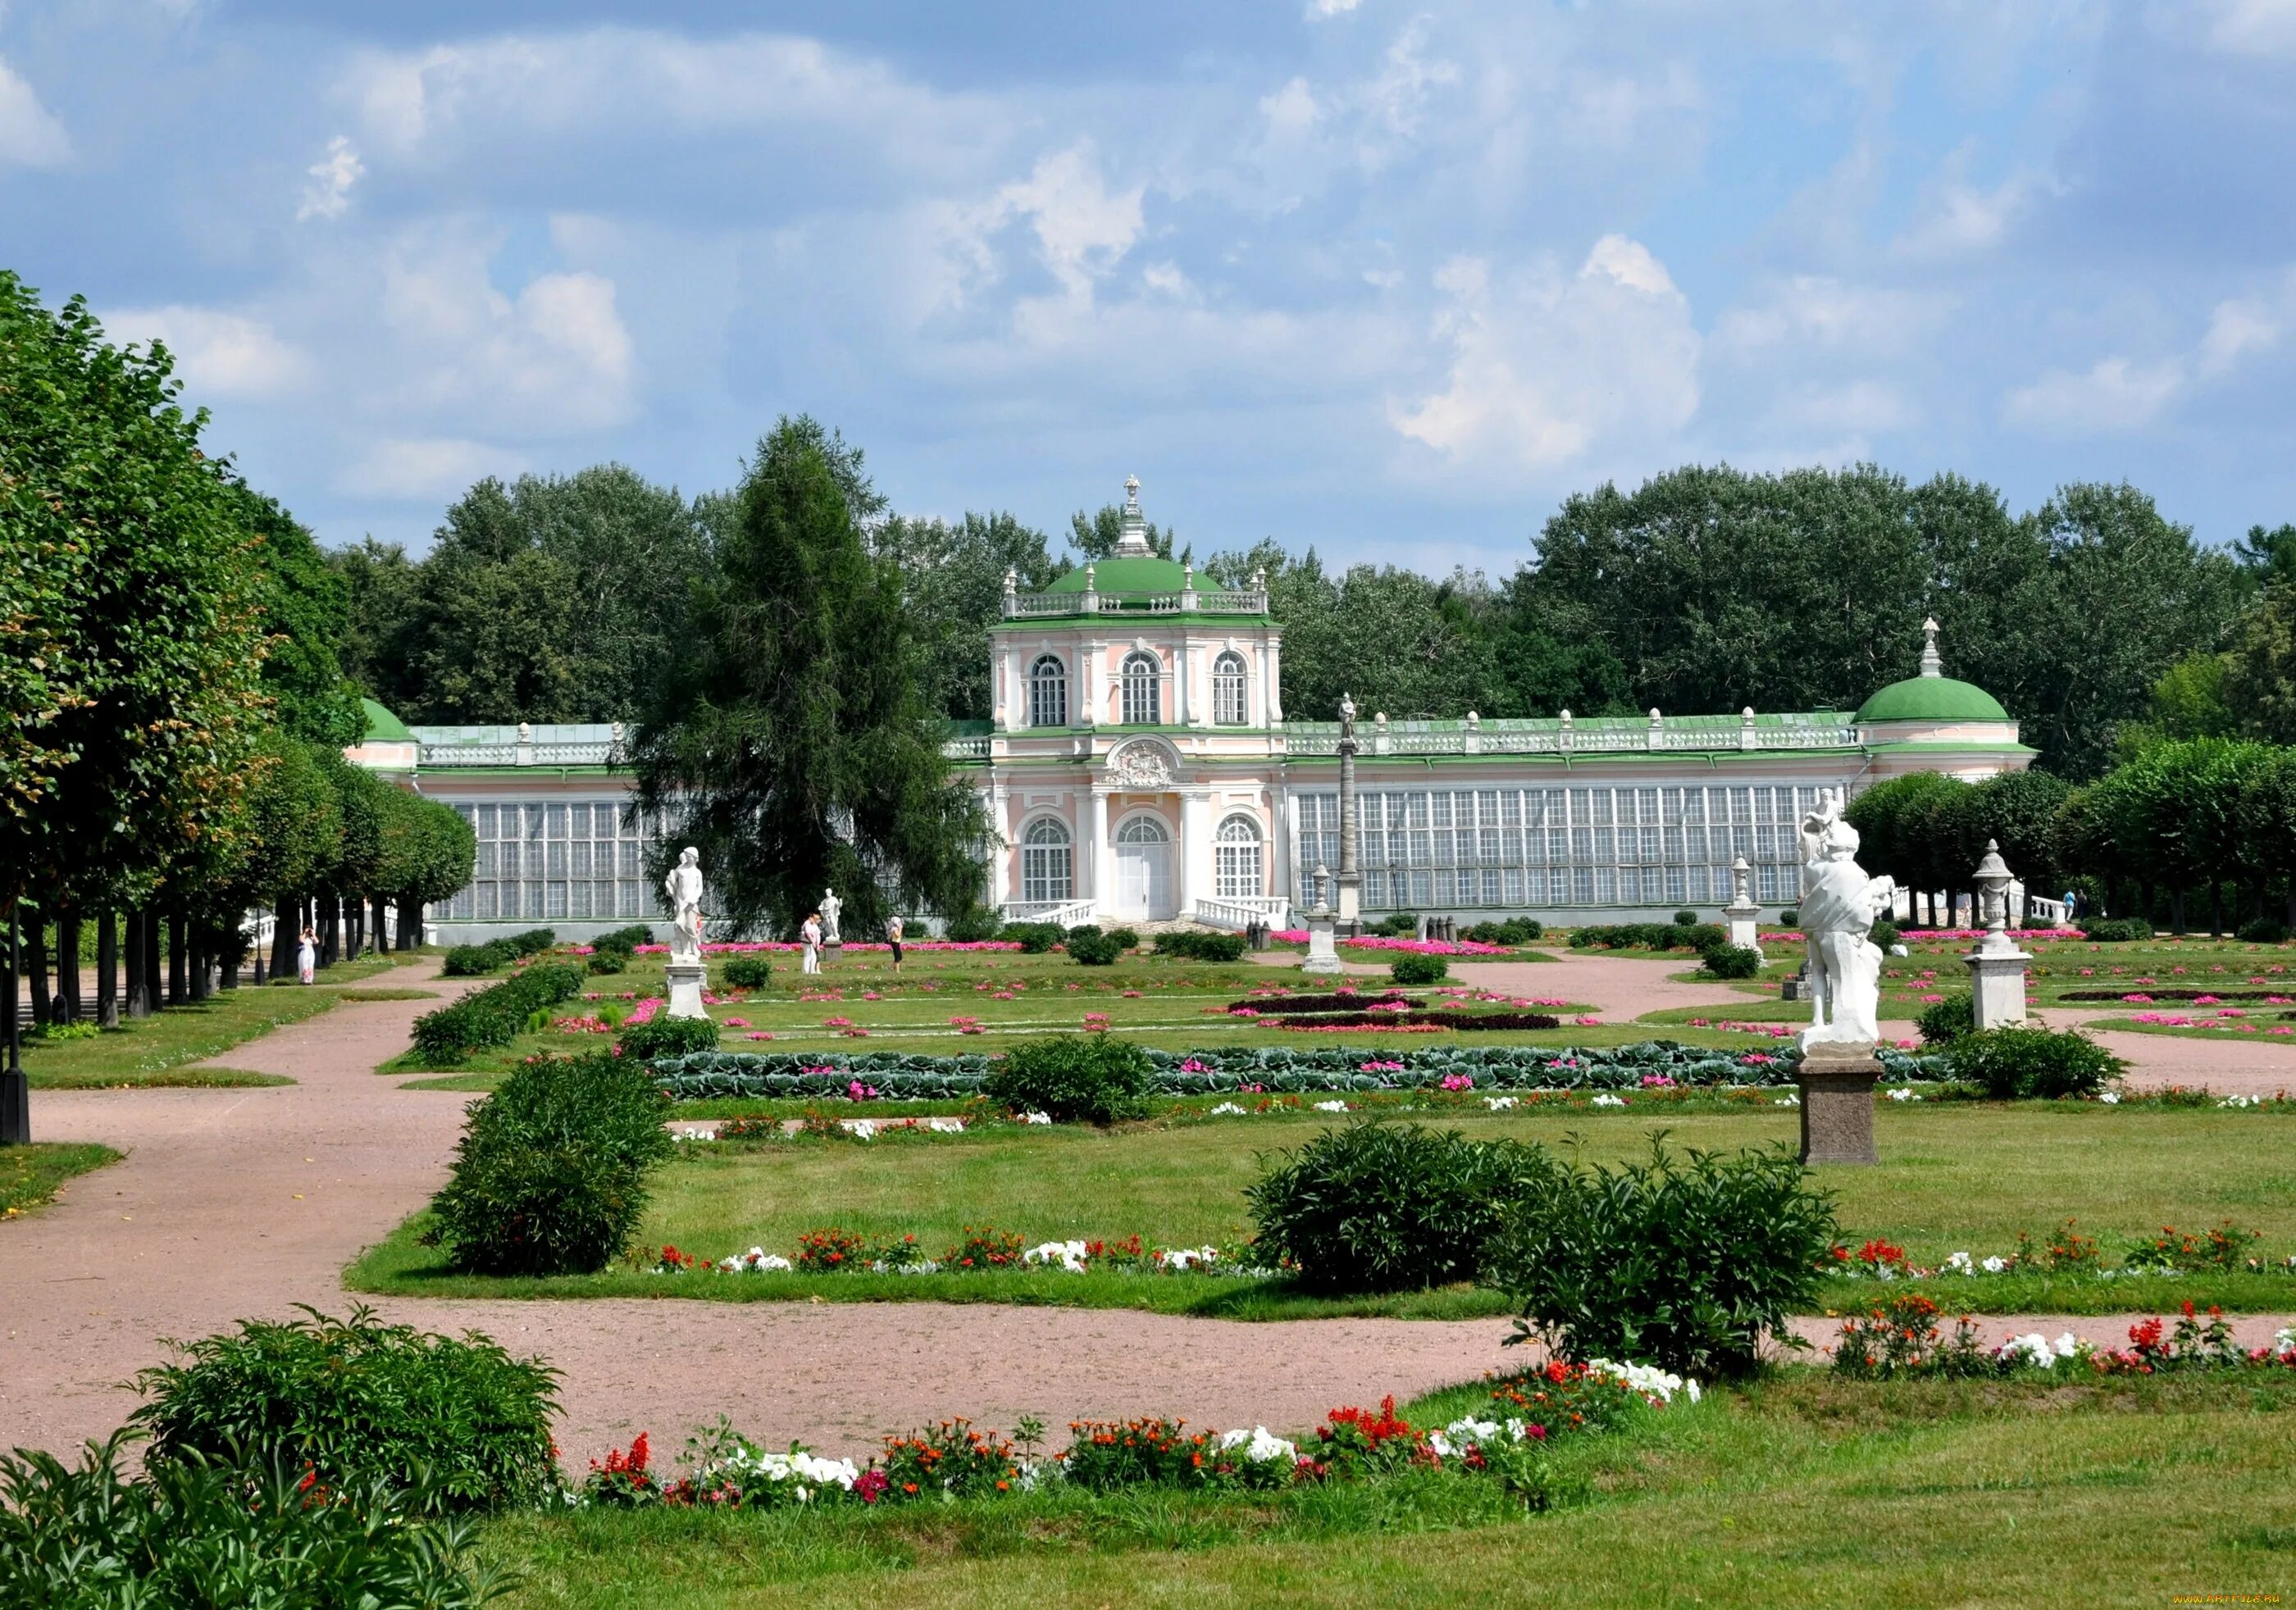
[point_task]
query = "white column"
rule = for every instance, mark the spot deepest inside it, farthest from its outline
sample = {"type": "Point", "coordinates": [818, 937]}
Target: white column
{"type": "Point", "coordinates": [1177, 711]}
{"type": "Point", "coordinates": [1097, 853]}
{"type": "Point", "coordinates": [1003, 707]}
{"type": "Point", "coordinates": [1199, 683]}
{"type": "Point", "coordinates": [1001, 861]}
{"type": "Point", "coordinates": [1271, 688]}
{"type": "Point", "coordinates": [1194, 844]}
{"type": "Point", "coordinates": [1089, 657]}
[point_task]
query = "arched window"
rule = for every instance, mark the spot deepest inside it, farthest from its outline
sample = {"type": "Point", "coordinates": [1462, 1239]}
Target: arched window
{"type": "Point", "coordinates": [1142, 830]}
{"type": "Point", "coordinates": [1048, 692]}
{"type": "Point", "coordinates": [1228, 702]}
{"type": "Point", "coordinates": [1236, 860]}
{"type": "Point", "coordinates": [1143, 687]}
{"type": "Point", "coordinates": [1047, 868]}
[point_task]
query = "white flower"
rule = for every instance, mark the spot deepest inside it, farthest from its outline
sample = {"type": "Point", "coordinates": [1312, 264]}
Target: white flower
{"type": "Point", "coordinates": [1331, 1107]}
{"type": "Point", "coordinates": [860, 1129]}
{"type": "Point", "coordinates": [1036, 1117]}
{"type": "Point", "coordinates": [2285, 1339]}
{"type": "Point", "coordinates": [2242, 1101]}
{"type": "Point", "coordinates": [1260, 1445]}
{"type": "Point", "coordinates": [1180, 1259]}
{"type": "Point", "coordinates": [757, 1261]}
{"type": "Point", "coordinates": [2032, 1348]}
{"type": "Point", "coordinates": [2111, 1097]}
{"type": "Point", "coordinates": [1498, 1104]}
{"type": "Point", "coordinates": [1226, 1109]}
{"type": "Point", "coordinates": [2069, 1346]}
{"type": "Point", "coordinates": [946, 1126]}
{"type": "Point", "coordinates": [1902, 1094]}
{"type": "Point", "coordinates": [1959, 1263]}
{"type": "Point", "coordinates": [1993, 1266]}
{"type": "Point", "coordinates": [1658, 1385]}
{"type": "Point", "coordinates": [1606, 1100]}
{"type": "Point", "coordinates": [1786, 1101]}
{"type": "Point", "coordinates": [1069, 1255]}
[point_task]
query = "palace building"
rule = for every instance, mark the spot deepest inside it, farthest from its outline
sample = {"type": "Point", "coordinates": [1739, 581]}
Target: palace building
{"type": "Point", "coordinates": [1139, 766]}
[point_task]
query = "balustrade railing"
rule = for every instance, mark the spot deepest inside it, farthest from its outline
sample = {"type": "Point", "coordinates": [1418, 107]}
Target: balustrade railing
{"type": "Point", "coordinates": [1241, 912]}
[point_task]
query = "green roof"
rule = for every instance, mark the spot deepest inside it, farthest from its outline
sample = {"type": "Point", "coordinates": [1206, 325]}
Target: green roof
{"type": "Point", "coordinates": [382, 726]}
{"type": "Point", "coordinates": [1931, 698]}
{"type": "Point", "coordinates": [1126, 575]}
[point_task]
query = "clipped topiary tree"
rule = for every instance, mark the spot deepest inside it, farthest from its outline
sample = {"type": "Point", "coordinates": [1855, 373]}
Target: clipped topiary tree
{"type": "Point", "coordinates": [1412, 967]}
{"type": "Point", "coordinates": [1074, 1078]}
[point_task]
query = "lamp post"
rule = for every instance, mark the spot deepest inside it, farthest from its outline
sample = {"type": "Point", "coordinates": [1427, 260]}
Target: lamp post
{"type": "Point", "coordinates": [15, 1090]}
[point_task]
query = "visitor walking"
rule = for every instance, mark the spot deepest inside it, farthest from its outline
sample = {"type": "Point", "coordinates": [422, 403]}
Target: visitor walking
{"type": "Point", "coordinates": [810, 935]}
{"type": "Point", "coordinates": [306, 957]}
{"type": "Point", "coordinates": [893, 936]}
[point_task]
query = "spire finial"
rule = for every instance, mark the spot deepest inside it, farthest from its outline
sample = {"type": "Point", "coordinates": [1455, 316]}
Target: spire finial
{"type": "Point", "coordinates": [1132, 491]}
{"type": "Point", "coordinates": [1132, 534]}
{"type": "Point", "coordinates": [1931, 665]}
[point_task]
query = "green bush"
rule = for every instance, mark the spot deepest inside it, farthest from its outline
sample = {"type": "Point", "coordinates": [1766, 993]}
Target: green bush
{"type": "Point", "coordinates": [1943, 1022]}
{"type": "Point", "coordinates": [1034, 938]}
{"type": "Point", "coordinates": [1702, 936]}
{"type": "Point", "coordinates": [2263, 930]}
{"type": "Point", "coordinates": [1513, 931]}
{"type": "Point", "coordinates": [1389, 1207]}
{"type": "Point", "coordinates": [1414, 968]}
{"type": "Point", "coordinates": [627, 938]}
{"type": "Point", "coordinates": [1791, 918]}
{"type": "Point", "coordinates": [493, 1016]}
{"type": "Point", "coordinates": [604, 959]}
{"type": "Point", "coordinates": [975, 925]}
{"type": "Point", "coordinates": [1395, 925]}
{"type": "Point", "coordinates": [748, 970]}
{"type": "Point", "coordinates": [476, 960]}
{"type": "Point", "coordinates": [1089, 947]}
{"type": "Point", "coordinates": [2032, 1064]}
{"type": "Point", "coordinates": [1201, 945]}
{"type": "Point", "coordinates": [1646, 935]}
{"type": "Point", "coordinates": [1883, 933]}
{"type": "Point", "coordinates": [660, 1036]}
{"type": "Point", "coordinates": [550, 1175]}
{"type": "Point", "coordinates": [1126, 939]}
{"type": "Point", "coordinates": [355, 1399]}
{"type": "Point", "coordinates": [1731, 962]}
{"type": "Point", "coordinates": [1075, 1078]}
{"type": "Point", "coordinates": [1683, 920]}
{"type": "Point", "coordinates": [1686, 1264]}
{"type": "Point", "coordinates": [193, 1531]}
{"type": "Point", "coordinates": [2117, 930]}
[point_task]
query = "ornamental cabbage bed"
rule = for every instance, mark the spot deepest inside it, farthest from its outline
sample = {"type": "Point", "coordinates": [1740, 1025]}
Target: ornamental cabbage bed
{"type": "Point", "coordinates": [1282, 1070]}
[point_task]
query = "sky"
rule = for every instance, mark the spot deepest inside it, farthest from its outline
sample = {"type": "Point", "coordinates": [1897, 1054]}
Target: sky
{"type": "Point", "coordinates": [1384, 278]}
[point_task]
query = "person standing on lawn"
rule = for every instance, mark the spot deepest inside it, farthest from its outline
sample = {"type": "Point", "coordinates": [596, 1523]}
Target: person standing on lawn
{"type": "Point", "coordinates": [306, 957]}
{"type": "Point", "coordinates": [810, 935]}
{"type": "Point", "coordinates": [893, 937]}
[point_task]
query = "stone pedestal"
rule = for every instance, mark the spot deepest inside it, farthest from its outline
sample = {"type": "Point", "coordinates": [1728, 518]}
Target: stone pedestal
{"type": "Point", "coordinates": [1837, 1103]}
{"type": "Point", "coordinates": [1350, 894]}
{"type": "Point", "coordinates": [1745, 927]}
{"type": "Point", "coordinates": [1996, 987]}
{"type": "Point", "coordinates": [1322, 954]}
{"type": "Point", "coordinates": [686, 980]}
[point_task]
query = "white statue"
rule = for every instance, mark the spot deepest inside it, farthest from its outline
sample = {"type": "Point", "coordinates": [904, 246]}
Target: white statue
{"type": "Point", "coordinates": [1838, 904]}
{"type": "Point", "coordinates": [830, 906]}
{"type": "Point", "coordinates": [684, 887]}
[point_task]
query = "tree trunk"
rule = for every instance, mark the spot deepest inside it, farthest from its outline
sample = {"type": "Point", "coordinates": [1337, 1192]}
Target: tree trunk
{"type": "Point", "coordinates": [379, 913]}
{"type": "Point", "coordinates": [179, 947]}
{"type": "Point", "coordinates": [36, 954]}
{"type": "Point", "coordinates": [106, 968]}
{"type": "Point", "coordinates": [196, 956]}
{"type": "Point", "coordinates": [155, 929]}
{"type": "Point", "coordinates": [138, 1003]}
{"type": "Point", "coordinates": [355, 923]}
{"type": "Point", "coordinates": [2176, 912]}
{"type": "Point", "coordinates": [410, 920]}
{"type": "Point", "coordinates": [67, 996]}
{"type": "Point", "coordinates": [331, 937]}
{"type": "Point", "coordinates": [2216, 910]}
{"type": "Point", "coordinates": [286, 926]}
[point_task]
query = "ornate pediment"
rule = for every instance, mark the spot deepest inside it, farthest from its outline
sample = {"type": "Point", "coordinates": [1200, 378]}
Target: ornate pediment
{"type": "Point", "coordinates": [1142, 765]}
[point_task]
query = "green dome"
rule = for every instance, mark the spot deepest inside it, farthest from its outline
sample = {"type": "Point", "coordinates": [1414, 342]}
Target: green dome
{"type": "Point", "coordinates": [1938, 698]}
{"type": "Point", "coordinates": [1126, 575]}
{"type": "Point", "coordinates": [382, 726]}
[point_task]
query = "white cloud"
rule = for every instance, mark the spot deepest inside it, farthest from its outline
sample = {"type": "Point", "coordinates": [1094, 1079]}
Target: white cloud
{"type": "Point", "coordinates": [329, 193]}
{"type": "Point", "coordinates": [219, 354]}
{"type": "Point", "coordinates": [1546, 368]}
{"type": "Point", "coordinates": [1953, 218]}
{"type": "Point", "coordinates": [1324, 11]}
{"type": "Point", "coordinates": [426, 469]}
{"type": "Point", "coordinates": [1866, 407]}
{"type": "Point", "coordinates": [1082, 230]}
{"type": "Point", "coordinates": [2115, 394]}
{"type": "Point", "coordinates": [28, 134]}
{"type": "Point", "coordinates": [2253, 27]}
{"type": "Point", "coordinates": [2235, 329]}
{"type": "Point", "coordinates": [1817, 310]}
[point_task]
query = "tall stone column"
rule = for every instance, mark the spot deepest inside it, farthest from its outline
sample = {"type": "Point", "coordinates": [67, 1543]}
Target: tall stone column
{"type": "Point", "coordinates": [1100, 856]}
{"type": "Point", "coordinates": [1194, 850]}
{"type": "Point", "coordinates": [1350, 882]}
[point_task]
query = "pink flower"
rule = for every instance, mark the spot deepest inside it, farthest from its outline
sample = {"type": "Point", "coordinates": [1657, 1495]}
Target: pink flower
{"type": "Point", "coordinates": [1587, 1022]}
{"type": "Point", "coordinates": [737, 1022]}
{"type": "Point", "coordinates": [837, 1023]}
{"type": "Point", "coordinates": [756, 1033]}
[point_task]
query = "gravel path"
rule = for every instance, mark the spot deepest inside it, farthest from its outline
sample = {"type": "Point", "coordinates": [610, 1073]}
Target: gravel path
{"type": "Point", "coordinates": [246, 1202]}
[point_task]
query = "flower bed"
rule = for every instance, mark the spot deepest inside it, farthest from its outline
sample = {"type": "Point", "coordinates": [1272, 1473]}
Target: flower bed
{"type": "Point", "coordinates": [1902, 1337]}
{"type": "Point", "coordinates": [983, 1250]}
{"type": "Point", "coordinates": [2065, 1251]}
{"type": "Point", "coordinates": [851, 946]}
{"type": "Point", "coordinates": [1530, 1411]}
{"type": "Point", "coordinates": [2152, 993]}
{"type": "Point", "coordinates": [1464, 1022]}
{"type": "Point", "coordinates": [898, 1075]}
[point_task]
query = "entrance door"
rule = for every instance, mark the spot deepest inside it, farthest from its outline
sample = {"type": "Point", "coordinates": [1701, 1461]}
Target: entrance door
{"type": "Point", "coordinates": [1143, 869]}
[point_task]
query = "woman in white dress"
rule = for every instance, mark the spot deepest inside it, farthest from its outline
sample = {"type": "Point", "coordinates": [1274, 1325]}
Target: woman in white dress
{"type": "Point", "coordinates": [306, 956]}
{"type": "Point", "coordinates": [810, 936]}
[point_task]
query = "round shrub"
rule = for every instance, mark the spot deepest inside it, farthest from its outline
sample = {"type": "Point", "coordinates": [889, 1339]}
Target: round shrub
{"type": "Point", "coordinates": [1883, 933]}
{"type": "Point", "coordinates": [1789, 917]}
{"type": "Point", "coordinates": [2032, 1064]}
{"type": "Point", "coordinates": [606, 959]}
{"type": "Point", "coordinates": [663, 1036]}
{"type": "Point", "coordinates": [1943, 1022]}
{"type": "Point", "coordinates": [1075, 1078]}
{"type": "Point", "coordinates": [1683, 920]}
{"type": "Point", "coordinates": [1089, 947]}
{"type": "Point", "coordinates": [976, 926]}
{"type": "Point", "coordinates": [1412, 967]}
{"type": "Point", "coordinates": [1389, 1207]}
{"type": "Point", "coordinates": [1126, 939]}
{"type": "Point", "coordinates": [748, 971]}
{"type": "Point", "coordinates": [1034, 938]}
{"type": "Point", "coordinates": [2117, 930]}
{"type": "Point", "coordinates": [550, 1175]}
{"type": "Point", "coordinates": [2263, 930]}
{"type": "Point", "coordinates": [1700, 937]}
{"type": "Point", "coordinates": [1731, 962]}
{"type": "Point", "coordinates": [355, 1399]}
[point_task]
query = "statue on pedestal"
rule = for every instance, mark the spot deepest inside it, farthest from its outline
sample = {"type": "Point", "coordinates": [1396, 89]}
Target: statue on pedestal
{"type": "Point", "coordinates": [1838, 904]}
{"type": "Point", "coordinates": [684, 887]}
{"type": "Point", "coordinates": [830, 907]}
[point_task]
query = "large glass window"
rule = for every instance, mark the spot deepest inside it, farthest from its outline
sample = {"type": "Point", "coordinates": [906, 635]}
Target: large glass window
{"type": "Point", "coordinates": [1047, 862]}
{"type": "Point", "coordinates": [1229, 705]}
{"type": "Point", "coordinates": [551, 859]}
{"type": "Point", "coordinates": [1236, 868]}
{"type": "Point", "coordinates": [1143, 686]}
{"type": "Point", "coordinates": [1048, 692]}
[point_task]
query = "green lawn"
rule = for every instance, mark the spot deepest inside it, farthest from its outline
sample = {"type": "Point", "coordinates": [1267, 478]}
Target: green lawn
{"type": "Point", "coordinates": [1799, 1491]}
{"type": "Point", "coordinates": [1955, 1177]}
{"type": "Point", "coordinates": [32, 1175]}
{"type": "Point", "coordinates": [148, 1051]}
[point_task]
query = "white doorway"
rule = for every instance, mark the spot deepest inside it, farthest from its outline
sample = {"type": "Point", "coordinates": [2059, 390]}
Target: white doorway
{"type": "Point", "coordinates": [1143, 869]}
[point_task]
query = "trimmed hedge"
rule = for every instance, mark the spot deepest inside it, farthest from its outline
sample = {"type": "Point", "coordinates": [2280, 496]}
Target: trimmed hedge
{"type": "Point", "coordinates": [1089, 947]}
{"type": "Point", "coordinates": [1513, 931]}
{"type": "Point", "coordinates": [2032, 1064]}
{"type": "Point", "coordinates": [1076, 1078]}
{"type": "Point", "coordinates": [1412, 967]}
{"type": "Point", "coordinates": [663, 1036]}
{"type": "Point", "coordinates": [477, 960]}
{"type": "Point", "coordinates": [1276, 1069]}
{"type": "Point", "coordinates": [493, 1016]}
{"type": "Point", "coordinates": [748, 972]}
{"type": "Point", "coordinates": [1648, 936]}
{"type": "Point", "coordinates": [2117, 930]}
{"type": "Point", "coordinates": [1942, 1022]}
{"type": "Point", "coordinates": [1732, 961]}
{"type": "Point", "coordinates": [1201, 945]}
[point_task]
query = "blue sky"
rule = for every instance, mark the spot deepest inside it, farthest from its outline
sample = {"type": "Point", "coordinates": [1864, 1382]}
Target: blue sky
{"type": "Point", "coordinates": [1390, 280]}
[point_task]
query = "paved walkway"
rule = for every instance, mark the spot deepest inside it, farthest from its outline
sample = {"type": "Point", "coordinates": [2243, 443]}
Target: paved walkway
{"type": "Point", "coordinates": [238, 1203]}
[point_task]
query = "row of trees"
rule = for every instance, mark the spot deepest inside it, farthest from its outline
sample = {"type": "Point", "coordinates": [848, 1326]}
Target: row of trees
{"type": "Point", "coordinates": [2209, 818]}
{"type": "Point", "coordinates": [175, 707]}
{"type": "Point", "coordinates": [1703, 590]}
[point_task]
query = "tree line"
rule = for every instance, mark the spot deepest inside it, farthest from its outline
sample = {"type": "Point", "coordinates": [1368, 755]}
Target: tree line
{"type": "Point", "coordinates": [1704, 590]}
{"type": "Point", "coordinates": [176, 705]}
